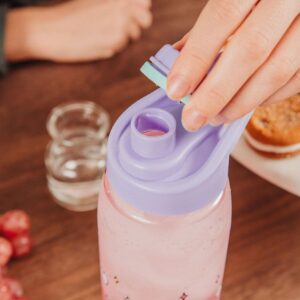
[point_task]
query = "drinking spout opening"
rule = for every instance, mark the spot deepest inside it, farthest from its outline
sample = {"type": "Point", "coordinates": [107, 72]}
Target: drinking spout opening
{"type": "Point", "coordinates": [153, 133]}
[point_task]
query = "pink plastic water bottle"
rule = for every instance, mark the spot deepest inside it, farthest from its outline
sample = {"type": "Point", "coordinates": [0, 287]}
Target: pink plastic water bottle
{"type": "Point", "coordinates": [164, 210]}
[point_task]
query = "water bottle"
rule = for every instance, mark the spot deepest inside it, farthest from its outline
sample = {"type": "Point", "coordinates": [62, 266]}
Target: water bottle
{"type": "Point", "coordinates": [164, 212]}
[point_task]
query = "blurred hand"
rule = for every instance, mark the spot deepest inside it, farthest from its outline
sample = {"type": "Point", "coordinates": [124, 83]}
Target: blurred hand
{"type": "Point", "coordinates": [260, 62]}
{"type": "Point", "coordinates": [78, 30]}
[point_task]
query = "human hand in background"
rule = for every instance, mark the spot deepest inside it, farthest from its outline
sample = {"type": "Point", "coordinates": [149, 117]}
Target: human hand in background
{"type": "Point", "coordinates": [74, 31]}
{"type": "Point", "coordinates": [260, 62]}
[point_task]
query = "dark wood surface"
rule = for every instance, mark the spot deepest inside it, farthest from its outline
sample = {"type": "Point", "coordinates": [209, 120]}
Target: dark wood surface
{"type": "Point", "coordinates": [264, 252]}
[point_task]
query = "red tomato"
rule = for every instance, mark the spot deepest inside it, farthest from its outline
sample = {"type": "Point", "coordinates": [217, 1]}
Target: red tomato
{"type": "Point", "coordinates": [14, 287]}
{"type": "Point", "coordinates": [5, 293]}
{"type": "Point", "coordinates": [6, 251]}
{"type": "Point", "coordinates": [22, 245]}
{"type": "Point", "coordinates": [14, 223]}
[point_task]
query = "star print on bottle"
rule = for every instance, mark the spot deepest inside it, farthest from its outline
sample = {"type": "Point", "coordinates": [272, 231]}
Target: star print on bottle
{"type": "Point", "coordinates": [116, 279]}
{"type": "Point", "coordinates": [184, 296]}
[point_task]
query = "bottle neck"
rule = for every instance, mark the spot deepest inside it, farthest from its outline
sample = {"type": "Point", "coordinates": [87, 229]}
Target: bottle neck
{"type": "Point", "coordinates": [149, 218]}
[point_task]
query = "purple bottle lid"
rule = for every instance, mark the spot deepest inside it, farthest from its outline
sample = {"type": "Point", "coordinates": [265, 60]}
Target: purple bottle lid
{"type": "Point", "coordinates": [156, 166]}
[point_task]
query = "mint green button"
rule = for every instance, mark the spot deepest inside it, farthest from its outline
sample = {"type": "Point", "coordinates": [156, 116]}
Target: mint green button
{"type": "Point", "coordinates": [159, 79]}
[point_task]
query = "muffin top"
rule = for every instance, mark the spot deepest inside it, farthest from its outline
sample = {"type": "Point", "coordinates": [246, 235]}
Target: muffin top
{"type": "Point", "coordinates": [277, 124]}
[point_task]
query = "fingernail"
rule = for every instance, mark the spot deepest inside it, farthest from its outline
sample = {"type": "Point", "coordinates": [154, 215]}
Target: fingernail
{"type": "Point", "coordinates": [218, 120]}
{"type": "Point", "coordinates": [178, 87]}
{"type": "Point", "coordinates": [192, 120]}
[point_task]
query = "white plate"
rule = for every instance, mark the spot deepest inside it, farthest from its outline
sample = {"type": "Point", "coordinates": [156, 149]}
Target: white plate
{"type": "Point", "coordinates": [284, 173]}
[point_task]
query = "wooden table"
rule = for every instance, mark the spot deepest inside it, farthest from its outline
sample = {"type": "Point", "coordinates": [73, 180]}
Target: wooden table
{"type": "Point", "coordinates": [264, 253]}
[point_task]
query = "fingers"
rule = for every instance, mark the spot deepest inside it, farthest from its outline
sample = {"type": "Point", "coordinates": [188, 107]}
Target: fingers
{"type": "Point", "coordinates": [218, 20]}
{"type": "Point", "coordinates": [179, 44]}
{"type": "Point", "coordinates": [271, 76]}
{"type": "Point", "coordinates": [290, 89]}
{"type": "Point", "coordinates": [134, 31]}
{"type": "Point", "coordinates": [250, 46]}
{"type": "Point", "coordinates": [135, 16]}
{"type": "Point", "coordinates": [145, 3]}
{"type": "Point", "coordinates": [142, 16]}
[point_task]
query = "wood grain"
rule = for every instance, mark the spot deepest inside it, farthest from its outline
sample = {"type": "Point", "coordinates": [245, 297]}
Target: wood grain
{"type": "Point", "coordinates": [264, 252]}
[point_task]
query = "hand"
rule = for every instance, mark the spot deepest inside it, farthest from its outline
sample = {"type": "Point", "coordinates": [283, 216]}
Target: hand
{"type": "Point", "coordinates": [260, 62]}
{"type": "Point", "coordinates": [78, 30]}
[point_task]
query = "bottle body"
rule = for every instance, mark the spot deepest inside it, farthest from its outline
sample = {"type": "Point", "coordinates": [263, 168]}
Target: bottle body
{"type": "Point", "coordinates": [145, 256]}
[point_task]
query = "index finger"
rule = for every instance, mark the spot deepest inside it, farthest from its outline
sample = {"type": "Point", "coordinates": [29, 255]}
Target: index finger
{"type": "Point", "coordinates": [218, 20]}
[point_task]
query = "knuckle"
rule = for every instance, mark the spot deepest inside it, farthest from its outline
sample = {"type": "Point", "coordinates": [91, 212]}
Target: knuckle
{"type": "Point", "coordinates": [118, 41]}
{"type": "Point", "coordinates": [256, 45]}
{"type": "Point", "coordinates": [281, 71]}
{"type": "Point", "coordinates": [195, 54]}
{"type": "Point", "coordinates": [216, 100]}
{"type": "Point", "coordinates": [115, 39]}
{"type": "Point", "coordinates": [227, 9]}
{"type": "Point", "coordinates": [148, 19]}
{"type": "Point", "coordinates": [235, 109]}
{"type": "Point", "coordinates": [297, 78]}
{"type": "Point", "coordinates": [228, 115]}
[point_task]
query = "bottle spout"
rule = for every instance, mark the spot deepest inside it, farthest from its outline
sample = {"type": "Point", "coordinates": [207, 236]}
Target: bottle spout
{"type": "Point", "coordinates": [153, 133]}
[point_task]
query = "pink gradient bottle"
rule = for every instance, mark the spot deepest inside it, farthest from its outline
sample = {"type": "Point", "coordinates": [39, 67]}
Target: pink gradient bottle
{"type": "Point", "coordinates": [164, 210]}
{"type": "Point", "coordinates": [144, 256]}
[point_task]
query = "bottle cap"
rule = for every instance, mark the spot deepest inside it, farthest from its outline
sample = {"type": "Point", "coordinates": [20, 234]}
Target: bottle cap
{"type": "Point", "coordinates": [154, 164]}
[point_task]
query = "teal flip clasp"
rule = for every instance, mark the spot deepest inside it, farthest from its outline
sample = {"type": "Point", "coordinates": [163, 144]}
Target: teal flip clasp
{"type": "Point", "coordinates": [158, 78]}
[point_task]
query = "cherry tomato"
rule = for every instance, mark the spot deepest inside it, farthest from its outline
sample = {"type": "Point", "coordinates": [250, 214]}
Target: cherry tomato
{"type": "Point", "coordinates": [14, 223]}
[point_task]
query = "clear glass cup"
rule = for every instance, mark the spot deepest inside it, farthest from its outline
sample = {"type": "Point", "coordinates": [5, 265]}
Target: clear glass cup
{"type": "Point", "coordinates": [76, 157]}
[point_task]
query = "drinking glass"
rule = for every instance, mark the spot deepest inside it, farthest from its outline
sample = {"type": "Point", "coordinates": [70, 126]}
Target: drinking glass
{"type": "Point", "coordinates": [76, 156]}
